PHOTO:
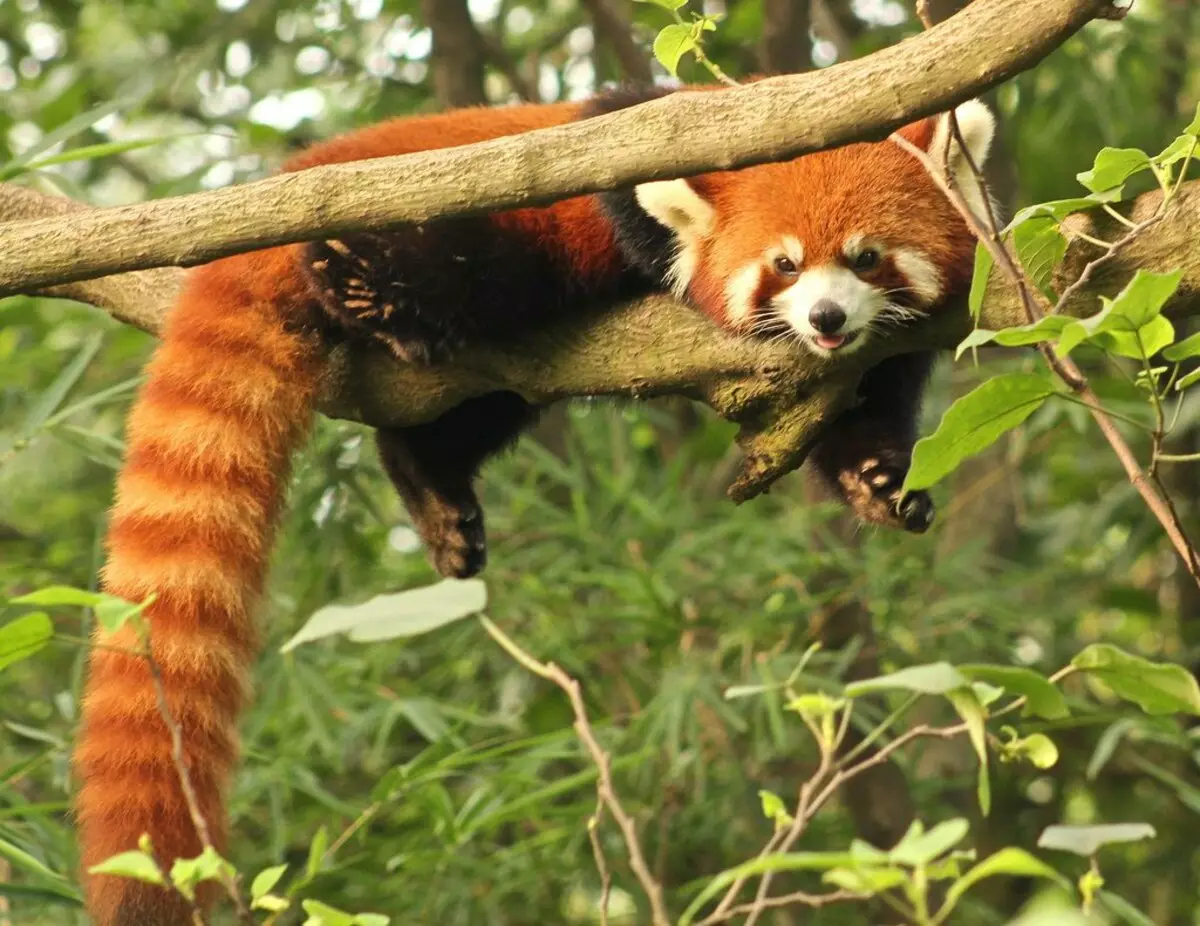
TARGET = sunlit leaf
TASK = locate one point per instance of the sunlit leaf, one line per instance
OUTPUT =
(974, 422)
(1087, 840)
(405, 614)
(983, 268)
(1112, 167)
(1157, 688)
(672, 43)
(975, 717)
(1010, 861)
(1042, 698)
(24, 636)
(134, 864)
(935, 678)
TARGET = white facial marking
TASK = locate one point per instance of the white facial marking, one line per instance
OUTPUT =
(739, 293)
(675, 204)
(923, 275)
(860, 301)
(854, 245)
(793, 248)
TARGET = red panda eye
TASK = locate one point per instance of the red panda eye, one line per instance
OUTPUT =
(785, 266)
(866, 260)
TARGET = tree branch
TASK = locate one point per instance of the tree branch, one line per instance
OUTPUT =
(655, 346)
(926, 74)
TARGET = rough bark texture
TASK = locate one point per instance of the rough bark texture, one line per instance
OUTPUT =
(655, 346)
(670, 137)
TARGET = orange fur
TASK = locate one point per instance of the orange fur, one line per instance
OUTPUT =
(228, 398)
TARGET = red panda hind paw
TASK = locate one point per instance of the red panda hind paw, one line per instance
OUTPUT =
(454, 537)
(874, 491)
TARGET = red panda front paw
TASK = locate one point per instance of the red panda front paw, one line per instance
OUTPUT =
(454, 536)
(873, 490)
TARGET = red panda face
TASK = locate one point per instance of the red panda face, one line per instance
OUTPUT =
(830, 248)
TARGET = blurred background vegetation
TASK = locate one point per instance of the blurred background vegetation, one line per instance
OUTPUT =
(614, 550)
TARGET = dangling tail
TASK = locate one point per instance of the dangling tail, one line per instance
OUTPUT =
(227, 400)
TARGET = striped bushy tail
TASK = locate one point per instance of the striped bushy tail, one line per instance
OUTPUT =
(226, 402)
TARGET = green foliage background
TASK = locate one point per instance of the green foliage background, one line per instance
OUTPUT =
(614, 551)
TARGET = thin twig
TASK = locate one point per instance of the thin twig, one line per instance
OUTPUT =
(593, 828)
(190, 797)
(1063, 367)
(605, 791)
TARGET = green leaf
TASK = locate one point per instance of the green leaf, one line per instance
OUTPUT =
(1046, 328)
(672, 43)
(24, 636)
(1157, 688)
(1040, 247)
(937, 678)
(671, 5)
(56, 595)
(974, 422)
(919, 848)
(1041, 750)
(316, 852)
(406, 614)
(774, 809)
(1057, 209)
(1188, 347)
(265, 880)
(1112, 167)
(1194, 126)
(983, 268)
(1087, 840)
(133, 864)
(320, 914)
(1144, 296)
(866, 880)
(1180, 149)
(1189, 380)
(975, 717)
(1009, 861)
(1042, 698)
(186, 873)
(113, 613)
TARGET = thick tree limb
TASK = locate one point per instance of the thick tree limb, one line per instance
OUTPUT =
(781, 397)
(988, 42)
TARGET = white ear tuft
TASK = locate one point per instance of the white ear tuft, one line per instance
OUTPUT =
(978, 127)
(678, 206)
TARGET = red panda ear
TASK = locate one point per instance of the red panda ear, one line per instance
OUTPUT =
(679, 205)
(919, 134)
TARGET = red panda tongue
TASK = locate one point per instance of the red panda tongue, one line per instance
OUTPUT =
(830, 341)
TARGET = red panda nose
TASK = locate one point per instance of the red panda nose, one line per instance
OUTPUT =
(827, 316)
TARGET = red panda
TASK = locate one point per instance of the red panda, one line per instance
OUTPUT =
(827, 250)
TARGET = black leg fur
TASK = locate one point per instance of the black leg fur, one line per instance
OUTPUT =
(865, 455)
(433, 466)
